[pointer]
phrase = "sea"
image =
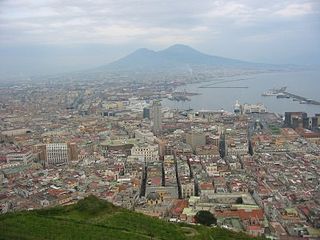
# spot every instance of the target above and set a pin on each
(250, 89)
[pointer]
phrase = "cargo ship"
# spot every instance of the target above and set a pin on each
(274, 92)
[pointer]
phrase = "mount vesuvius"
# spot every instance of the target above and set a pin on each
(175, 57)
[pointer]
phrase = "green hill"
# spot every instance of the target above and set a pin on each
(92, 218)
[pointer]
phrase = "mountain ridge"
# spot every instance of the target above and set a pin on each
(175, 56)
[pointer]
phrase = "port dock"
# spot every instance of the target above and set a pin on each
(301, 98)
(282, 93)
(182, 96)
(221, 87)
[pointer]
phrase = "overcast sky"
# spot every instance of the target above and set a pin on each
(45, 36)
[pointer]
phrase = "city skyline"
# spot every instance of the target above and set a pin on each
(158, 119)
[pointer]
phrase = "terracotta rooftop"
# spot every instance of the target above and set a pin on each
(206, 186)
(242, 214)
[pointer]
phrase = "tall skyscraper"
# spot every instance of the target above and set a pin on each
(146, 113)
(156, 117)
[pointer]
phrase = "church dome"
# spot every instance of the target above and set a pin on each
(153, 196)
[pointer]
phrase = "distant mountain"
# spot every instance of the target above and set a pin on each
(176, 56)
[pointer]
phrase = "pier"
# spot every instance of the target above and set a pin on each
(222, 87)
(182, 96)
(301, 98)
(214, 83)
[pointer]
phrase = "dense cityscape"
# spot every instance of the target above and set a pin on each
(159, 120)
(256, 171)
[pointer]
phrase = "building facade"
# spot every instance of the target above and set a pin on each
(145, 152)
(196, 139)
(56, 153)
(22, 157)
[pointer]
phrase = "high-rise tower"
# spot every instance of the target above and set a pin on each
(156, 117)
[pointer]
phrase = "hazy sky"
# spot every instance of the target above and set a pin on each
(45, 36)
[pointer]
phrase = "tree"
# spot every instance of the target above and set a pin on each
(239, 200)
(205, 218)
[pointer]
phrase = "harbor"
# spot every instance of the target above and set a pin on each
(224, 98)
(282, 93)
(303, 100)
(223, 87)
(181, 96)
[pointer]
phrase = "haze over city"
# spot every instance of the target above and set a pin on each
(174, 120)
(43, 37)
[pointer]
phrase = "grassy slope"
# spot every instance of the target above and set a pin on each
(92, 218)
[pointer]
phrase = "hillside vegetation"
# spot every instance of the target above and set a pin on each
(92, 218)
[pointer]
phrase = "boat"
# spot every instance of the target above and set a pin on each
(282, 95)
(268, 93)
(237, 107)
(274, 92)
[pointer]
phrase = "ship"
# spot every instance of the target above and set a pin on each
(268, 93)
(181, 96)
(282, 95)
(237, 108)
(274, 92)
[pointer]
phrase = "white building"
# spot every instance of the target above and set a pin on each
(233, 162)
(212, 169)
(187, 190)
(240, 149)
(23, 157)
(145, 152)
(16, 132)
(253, 108)
(57, 153)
